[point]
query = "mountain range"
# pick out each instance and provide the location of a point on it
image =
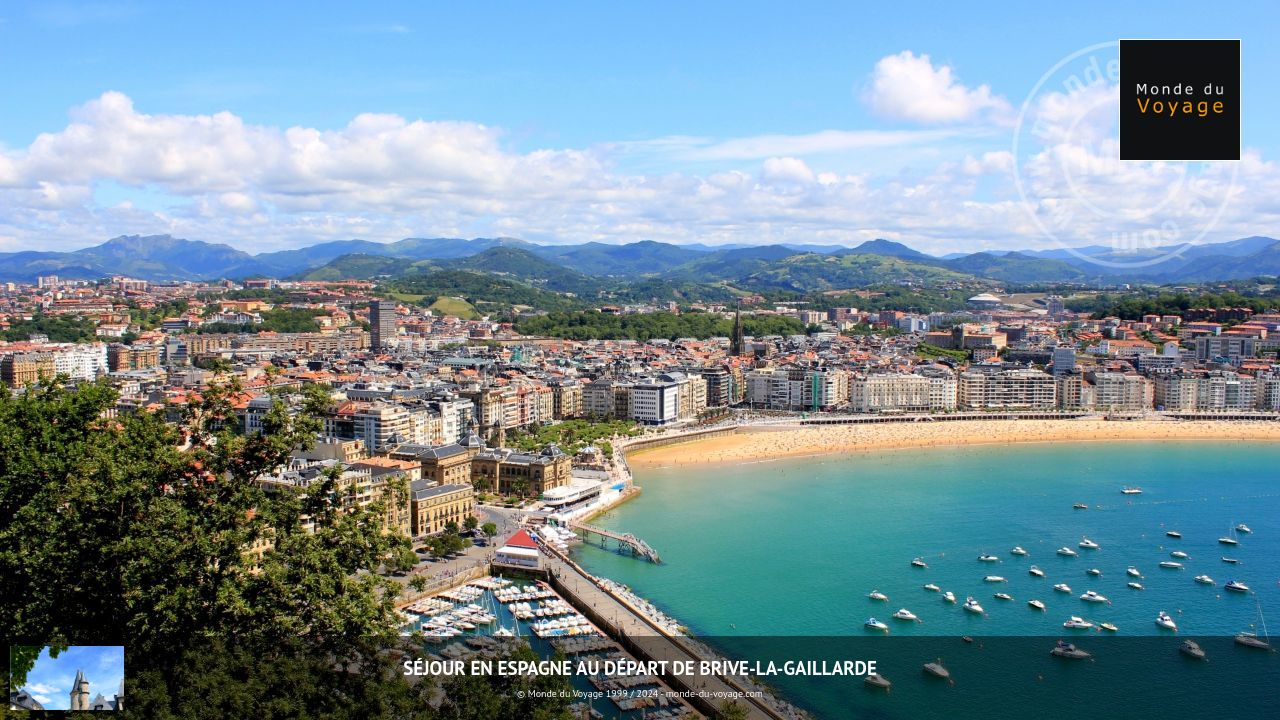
(598, 266)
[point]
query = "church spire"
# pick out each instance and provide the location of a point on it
(736, 343)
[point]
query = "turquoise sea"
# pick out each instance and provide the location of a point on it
(791, 548)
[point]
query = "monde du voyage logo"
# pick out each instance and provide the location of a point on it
(1179, 99)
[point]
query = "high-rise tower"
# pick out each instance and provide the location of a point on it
(382, 323)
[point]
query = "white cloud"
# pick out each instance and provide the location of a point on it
(909, 87)
(43, 688)
(383, 177)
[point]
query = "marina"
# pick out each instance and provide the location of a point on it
(1131, 533)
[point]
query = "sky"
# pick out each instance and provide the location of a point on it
(274, 125)
(49, 682)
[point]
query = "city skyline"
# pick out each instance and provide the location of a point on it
(420, 124)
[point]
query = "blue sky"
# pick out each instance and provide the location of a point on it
(49, 682)
(609, 116)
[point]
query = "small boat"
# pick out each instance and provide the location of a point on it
(1062, 588)
(971, 605)
(931, 587)
(1036, 604)
(1066, 650)
(1088, 544)
(1133, 572)
(905, 614)
(1166, 622)
(877, 595)
(1036, 571)
(875, 624)
(1228, 541)
(1236, 586)
(1243, 528)
(994, 579)
(1094, 572)
(1077, 623)
(1171, 565)
(1080, 506)
(1091, 596)
(967, 639)
(1127, 490)
(919, 562)
(937, 670)
(1018, 550)
(1003, 596)
(1204, 579)
(877, 681)
(1251, 640)
(1173, 534)
(949, 596)
(1135, 586)
(988, 558)
(1109, 627)
(1067, 552)
(1191, 649)
(1179, 554)
(1230, 561)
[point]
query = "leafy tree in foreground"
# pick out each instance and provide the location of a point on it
(128, 531)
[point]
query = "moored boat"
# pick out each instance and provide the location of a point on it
(994, 579)
(1091, 596)
(1036, 571)
(919, 562)
(877, 681)
(931, 587)
(1077, 623)
(1204, 580)
(1236, 586)
(1173, 534)
(1003, 596)
(937, 670)
(1179, 554)
(1036, 604)
(905, 614)
(1192, 649)
(1095, 572)
(1230, 561)
(1128, 490)
(877, 595)
(875, 624)
(1135, 586)
(1080, 506)
(1069, 651)
(1171, 565)
(988, 558)
(1133, 572)
(971, 605)
(1109, 627)
(1018, 550)
(1243, 528)
(1166, 622)
(1067, 552)
(1088, 544)
(1062, 588)
(949, 596)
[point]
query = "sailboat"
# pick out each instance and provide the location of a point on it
(1251, 639)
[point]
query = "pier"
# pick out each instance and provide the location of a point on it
(638, 547)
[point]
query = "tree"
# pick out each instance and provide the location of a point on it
(732, 710)
(470, 523)
(129, 531)
(418, 583)
(403, 559)
(489, 529)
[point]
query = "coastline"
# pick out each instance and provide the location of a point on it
(760, 443)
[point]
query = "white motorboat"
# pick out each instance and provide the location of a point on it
(875, 624)
(1080, 506)
(877, 595)
(1133, 572)
(949, 596)
(1236, 586)
(1192, 649)
(1173, 534)
(1134, 490)
(988, 558)
(1135, 586)
(931, 587)
(1166, 622)
(877, 681)
(1067, 552)
(994, 579)
(972, 606)
(1088, 544)
(1065, 649)
(1077, 623)
(1036, 604)
(1003, 596)
(1179, 554)
(1091, 596)
(1204, 580)
(1171, 565)
(1243, 528)
(1230, 561)
(1018, 550)
(1062, 588)
(1228, 541)
(1095, 572)
(919, 562)
(937, 670)
(1036, 571)
(1109, 627)
(905, 614)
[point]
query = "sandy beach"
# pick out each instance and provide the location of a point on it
(754, 444)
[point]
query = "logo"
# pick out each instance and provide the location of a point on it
(1116, 213)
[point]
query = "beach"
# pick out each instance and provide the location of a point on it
(767, 442)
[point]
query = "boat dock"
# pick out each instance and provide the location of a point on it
(638, 547)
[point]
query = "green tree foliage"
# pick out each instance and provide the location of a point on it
(129, 531)
(151, 318)
(59, 328)
(571, 435)
(282, 319)
(1133, 307)
(648, 326)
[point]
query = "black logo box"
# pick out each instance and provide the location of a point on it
(1160, 77)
